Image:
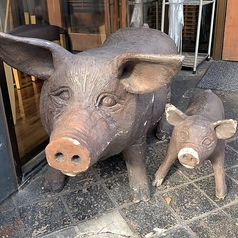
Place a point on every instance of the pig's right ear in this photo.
(32, 56)
(174, 115)
(144, 73)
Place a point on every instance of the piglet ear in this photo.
(144, 73)
(225, 128)
(174, 115)
(33, 56)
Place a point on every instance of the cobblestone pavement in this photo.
(96, 203)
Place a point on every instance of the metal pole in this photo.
(211, 29)
(162, 16)
(198, 36)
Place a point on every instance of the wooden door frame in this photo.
(219, 29)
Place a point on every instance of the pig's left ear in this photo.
(174, 115)
(144, 73)
(225, 128)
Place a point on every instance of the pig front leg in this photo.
(168, 161)
(217, 160)
(135, 157)
(54, 180)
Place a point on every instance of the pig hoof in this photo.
(157, 182)
(221, 196)
(141, 195)
(52, 186)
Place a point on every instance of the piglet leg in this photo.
(54, 180)
(135, 157)
(168, 161)
(217, 160)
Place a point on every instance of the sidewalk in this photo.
(96, 203)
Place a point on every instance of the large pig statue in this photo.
(99, 102)
(198, 134)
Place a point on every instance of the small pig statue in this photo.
(198, 134)
(100, 102)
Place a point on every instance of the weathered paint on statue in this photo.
(198, 134)
(100, 102)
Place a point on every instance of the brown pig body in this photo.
(100, 102)
(198, 135)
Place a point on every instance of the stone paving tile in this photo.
(233, 173)
(188, 202)
(155, 155)
(119, 189)
(145, 216)
(233, 144)
(108, 224)
(173, 178)
(11, 225)
(156, 151)
(179, 232)
(214, 225)
(232, 211)
(7, 205)
(111, 167)
(208, 186)
(231, 158)
(68, 232)
(43, 217)
(204, 169)
(88, 202)
(81, 180)
(32, 192)
(229, 100)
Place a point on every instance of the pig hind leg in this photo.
(164, 129)
(54, 180)
(135, 157)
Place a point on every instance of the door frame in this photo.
(219, 29)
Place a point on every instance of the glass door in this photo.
(30, 134)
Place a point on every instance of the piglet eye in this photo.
(183, 135)
(108, 101)
(207, 142)
(64, 95)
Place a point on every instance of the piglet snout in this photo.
(188, 157)
(67, 155)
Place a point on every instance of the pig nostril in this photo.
(59, 156)
(184, 157)
(75, 159)
(192, 160)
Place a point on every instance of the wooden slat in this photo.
(54, 12)
(230, 46)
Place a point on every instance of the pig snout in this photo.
(67, 155)
(188, 157)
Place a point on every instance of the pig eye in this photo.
(62, 94)
(207, 142)
(182, 135)
(108, 101)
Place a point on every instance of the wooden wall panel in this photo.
(230, 45)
